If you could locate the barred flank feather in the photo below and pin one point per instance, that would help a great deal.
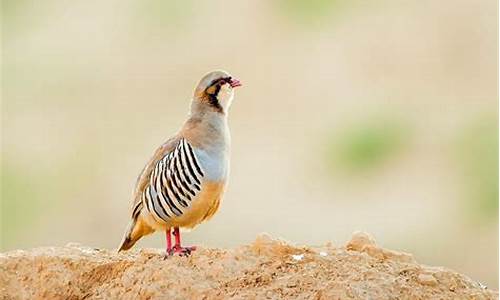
(173, 184)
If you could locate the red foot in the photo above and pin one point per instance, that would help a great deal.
(177, 249)
(181, 251)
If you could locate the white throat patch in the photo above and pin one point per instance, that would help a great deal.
(225, 96)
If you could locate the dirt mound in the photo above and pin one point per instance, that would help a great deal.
(267, 268)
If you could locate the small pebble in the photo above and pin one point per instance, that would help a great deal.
(427, 279)
(88, 251)
(298, 257)
(482, 285)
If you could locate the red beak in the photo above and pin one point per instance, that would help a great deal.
(234, 82)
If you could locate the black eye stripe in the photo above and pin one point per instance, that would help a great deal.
(222, 80)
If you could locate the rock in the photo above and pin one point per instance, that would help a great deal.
(427, 279)
(360, 241)
(363, 242)
(263, 269)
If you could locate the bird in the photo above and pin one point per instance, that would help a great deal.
(184, 181)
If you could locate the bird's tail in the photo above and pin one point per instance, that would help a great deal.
(135, 230)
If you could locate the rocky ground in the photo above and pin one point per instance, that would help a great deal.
(265, 269)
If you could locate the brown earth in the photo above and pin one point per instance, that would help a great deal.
(266, 269)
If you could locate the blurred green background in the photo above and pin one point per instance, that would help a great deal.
(379, 116)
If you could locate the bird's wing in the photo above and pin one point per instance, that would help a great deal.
(170, 181)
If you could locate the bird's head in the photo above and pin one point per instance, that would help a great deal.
(216, 90)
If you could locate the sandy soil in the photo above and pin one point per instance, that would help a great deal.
(265, 269)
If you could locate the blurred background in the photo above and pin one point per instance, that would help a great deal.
(380, 116)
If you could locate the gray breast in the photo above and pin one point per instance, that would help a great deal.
(215, 162)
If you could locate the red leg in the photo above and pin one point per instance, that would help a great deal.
(178, 248)
(177, 235)
(169, 241)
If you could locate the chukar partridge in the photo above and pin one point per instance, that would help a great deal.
(183, 183)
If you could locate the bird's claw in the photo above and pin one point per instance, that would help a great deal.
(181, 251)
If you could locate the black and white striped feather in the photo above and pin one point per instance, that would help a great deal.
(173, 184)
